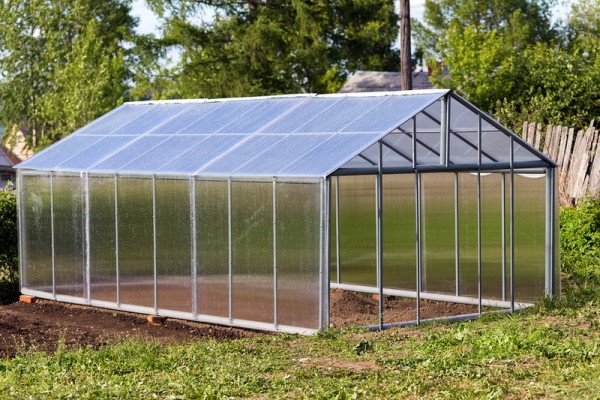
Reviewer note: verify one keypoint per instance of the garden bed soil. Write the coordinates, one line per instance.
(43, 325)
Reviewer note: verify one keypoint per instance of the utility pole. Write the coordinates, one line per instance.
(405, 67)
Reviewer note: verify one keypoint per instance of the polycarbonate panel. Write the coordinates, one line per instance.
(392, 112)
(69, 245)
(438, 273)
(252, 250)
(136, 249)
(399, 232)
(522, 154)
(357, 230)
(390, 157)
(103, 265)
(340, 115)
(298, 253)
(184, 119)
(461, 118)
(467, 233)
(238, 156)
(158, 114)
(463, 148)
(201, 154)
(85, 158)
(304, 112)
(427, 124)
(530, 236)
(495, 142)
(428, 148)
(262, 115)
(57, 153)
(402, 143)
(114, 119)
(326, 157)
(221, 116)
(281, 155)
(173, 245)
(491, 236)
(36, 257)
(153, 159)
(120, 158)
(212, 248)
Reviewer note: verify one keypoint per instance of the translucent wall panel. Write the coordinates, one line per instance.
(333, 209)
(467, 233)
(103, 268)
(438, 233)
(530, 237)
(399, 232)
(252, 250)
(491, 236)
(36, 258)
(68, 236)
(136, 264)
(173, 244)
(212, 247)
(357, 230)
(298, 249)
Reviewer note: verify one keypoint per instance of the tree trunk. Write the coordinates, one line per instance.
(405, 53)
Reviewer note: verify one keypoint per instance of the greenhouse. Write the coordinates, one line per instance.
(251, 212)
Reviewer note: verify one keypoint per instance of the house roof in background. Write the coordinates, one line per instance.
(378, 81)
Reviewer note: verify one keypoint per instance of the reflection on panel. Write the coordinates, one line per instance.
(357, 230)
(298, 247)
(399, 232)
(529, 236)
(212, 248)
(438, 233)
(136, 264)
(37, 233)
(173, 244)
(252, 250)
(103, 269)
(68, 236)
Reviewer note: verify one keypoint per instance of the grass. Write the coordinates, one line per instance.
(550, 351)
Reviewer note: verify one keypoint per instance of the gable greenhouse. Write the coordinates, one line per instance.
(248, 212)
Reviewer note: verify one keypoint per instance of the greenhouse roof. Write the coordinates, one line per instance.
(298, 135)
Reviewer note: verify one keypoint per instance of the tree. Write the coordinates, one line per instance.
(276, 46)
(63, 63)
(510, 60)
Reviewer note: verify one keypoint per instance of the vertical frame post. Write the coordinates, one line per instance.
(324, 264)
(418, 241)
(414, 143)
(550, 285)
(379, 233)
(230, 253)
(337, 226)
(193, 228)
(512, 226)
(444, 131)
(503, 228)
(86, 230)
(456, 236)
(20, 216)
(52, 234)
(154, 244)
(117, 273)
(479, 280)
(275, 319)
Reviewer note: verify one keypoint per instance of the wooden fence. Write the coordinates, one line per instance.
(575, 153)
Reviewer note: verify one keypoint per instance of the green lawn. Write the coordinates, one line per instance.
(550, 351)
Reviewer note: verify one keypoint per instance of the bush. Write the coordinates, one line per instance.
(9, 256)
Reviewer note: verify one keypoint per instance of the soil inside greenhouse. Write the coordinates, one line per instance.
(45, 324)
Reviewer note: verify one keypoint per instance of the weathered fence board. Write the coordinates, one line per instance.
(575, 153)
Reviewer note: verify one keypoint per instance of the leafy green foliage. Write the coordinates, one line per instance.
(510, 60)
(63, 64)
(282, 46)
(9, 265)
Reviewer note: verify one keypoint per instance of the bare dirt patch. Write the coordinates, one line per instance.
(45, 324)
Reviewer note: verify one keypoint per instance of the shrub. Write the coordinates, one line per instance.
(9, 258)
